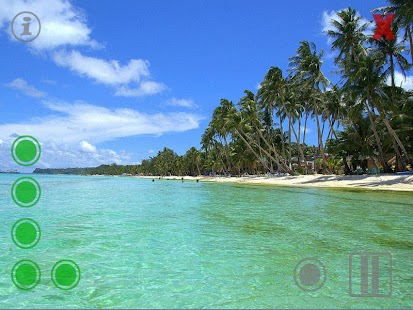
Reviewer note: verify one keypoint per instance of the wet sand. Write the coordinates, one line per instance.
(374, 182)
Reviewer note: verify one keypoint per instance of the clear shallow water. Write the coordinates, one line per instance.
(167, 244)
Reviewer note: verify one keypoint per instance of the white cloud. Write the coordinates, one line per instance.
(108, 72)
(64, 26)
(326, 20)
(87, 147)
(26, 88)
(61, 23)
(69, 135)
(185, 103)
(401, 81)
(111, 73)
(74, 123)
(145, 88)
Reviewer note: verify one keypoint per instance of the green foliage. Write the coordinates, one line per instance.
(360, 118)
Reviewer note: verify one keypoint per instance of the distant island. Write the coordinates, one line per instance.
(9, 171)
(74, 171)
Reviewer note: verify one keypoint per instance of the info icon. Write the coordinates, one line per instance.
(310, 274)
(25, 26)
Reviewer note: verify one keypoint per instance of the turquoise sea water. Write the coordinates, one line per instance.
(167, 244)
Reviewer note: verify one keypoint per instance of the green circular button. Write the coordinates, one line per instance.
(26, 150)
(26, 233)
(25, 274)
(66, 274)
(26, 192)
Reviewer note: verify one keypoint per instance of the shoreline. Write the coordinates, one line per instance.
(372, 182)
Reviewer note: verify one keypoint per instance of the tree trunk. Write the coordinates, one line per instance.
(305, 127)
(409, 35)
(331, 132)
(298, 139)
(241, 133)
(282, 138)
(399, 158)
(197, 167)
(289, 143)
(304, 145)
(376, 136)
(272, 149)
(228, 165)
(392, 69)
(395, 136)
(250, 147)
(300, 150)
(320, 138)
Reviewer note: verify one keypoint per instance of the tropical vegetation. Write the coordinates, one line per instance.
(364, 120)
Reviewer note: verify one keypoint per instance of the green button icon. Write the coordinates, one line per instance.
(26, 233)
(26, 150)
(66, 274)
(25, 274)
(26, 192)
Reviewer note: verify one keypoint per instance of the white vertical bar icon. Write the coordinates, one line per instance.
(375, 274)
(370, 274)
(364, 271)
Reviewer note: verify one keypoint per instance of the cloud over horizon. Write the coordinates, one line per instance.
(65, 26)
(71, 132)
(79, 121)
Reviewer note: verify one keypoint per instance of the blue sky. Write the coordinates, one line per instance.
(110, 81)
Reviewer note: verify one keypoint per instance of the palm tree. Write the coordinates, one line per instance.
(403, 9)
(392, 52)
(367, 83)
(354, 142)
(277, 92)
(306, 66)
(192, 160)
(221, 130)
(348, 37)
(246, 125)
(333, 109)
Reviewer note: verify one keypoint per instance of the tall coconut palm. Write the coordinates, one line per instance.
(366, 83)
(333, 109)
(221, 129)
(403, 9)
(247, 126)
(354, 141)
(277, 93)
(392, 52)
(348, 37)
(306, 66)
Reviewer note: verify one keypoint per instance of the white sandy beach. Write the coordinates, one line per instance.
(374, 182)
